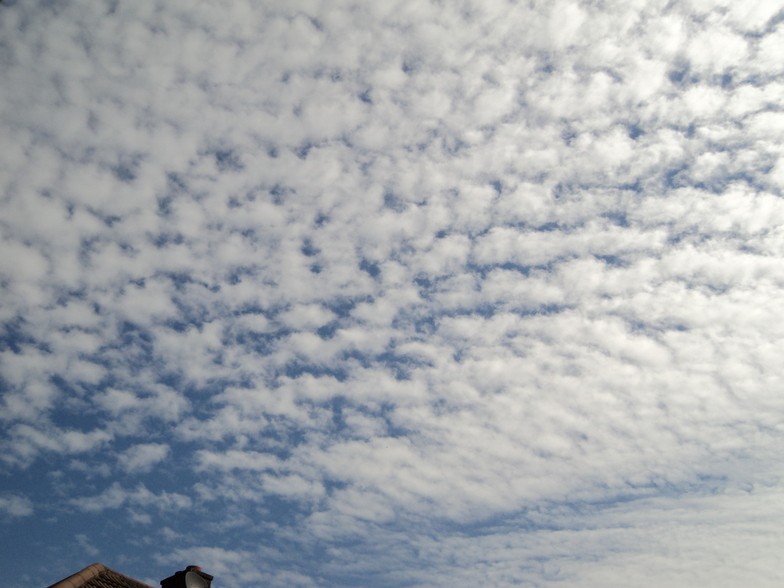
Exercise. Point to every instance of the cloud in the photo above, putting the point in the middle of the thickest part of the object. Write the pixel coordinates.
(142, 457)
(116, 496)
(425, 293)
(25, 441)
(238, 567)
(16, 506)
(85, 544)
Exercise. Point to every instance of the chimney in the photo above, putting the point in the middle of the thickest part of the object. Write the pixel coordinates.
(190, 577)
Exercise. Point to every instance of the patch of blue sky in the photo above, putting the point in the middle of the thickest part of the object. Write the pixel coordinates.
(295, 369)
(14, 337)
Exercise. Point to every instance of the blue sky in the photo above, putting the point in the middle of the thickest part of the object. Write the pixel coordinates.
(392, 294)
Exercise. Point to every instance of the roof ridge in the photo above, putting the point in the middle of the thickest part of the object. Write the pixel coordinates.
(81, 578)
(78, 579)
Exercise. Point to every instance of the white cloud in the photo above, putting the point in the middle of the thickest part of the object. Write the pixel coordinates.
(85, 544)
(240, 567)
(390, 274)
(116, 496)
(16, 506)
(142, 457)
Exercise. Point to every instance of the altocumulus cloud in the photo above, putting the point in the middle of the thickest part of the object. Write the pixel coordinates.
(15, 506)
(142, 457)
(394, 294)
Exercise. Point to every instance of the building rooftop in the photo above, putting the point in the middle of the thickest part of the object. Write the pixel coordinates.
(99, 576)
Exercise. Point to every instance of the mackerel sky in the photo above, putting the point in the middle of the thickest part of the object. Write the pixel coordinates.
(393, 293)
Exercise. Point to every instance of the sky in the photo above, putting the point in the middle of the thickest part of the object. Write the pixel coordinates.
(393, 294)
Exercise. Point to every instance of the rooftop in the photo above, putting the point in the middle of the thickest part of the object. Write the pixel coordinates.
(99, 576)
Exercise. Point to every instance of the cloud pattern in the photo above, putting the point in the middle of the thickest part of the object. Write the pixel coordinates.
(394, 294)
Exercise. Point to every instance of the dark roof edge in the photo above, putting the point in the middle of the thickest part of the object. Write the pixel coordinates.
(79, 578)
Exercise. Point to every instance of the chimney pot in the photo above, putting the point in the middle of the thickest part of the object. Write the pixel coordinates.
(181, 579)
